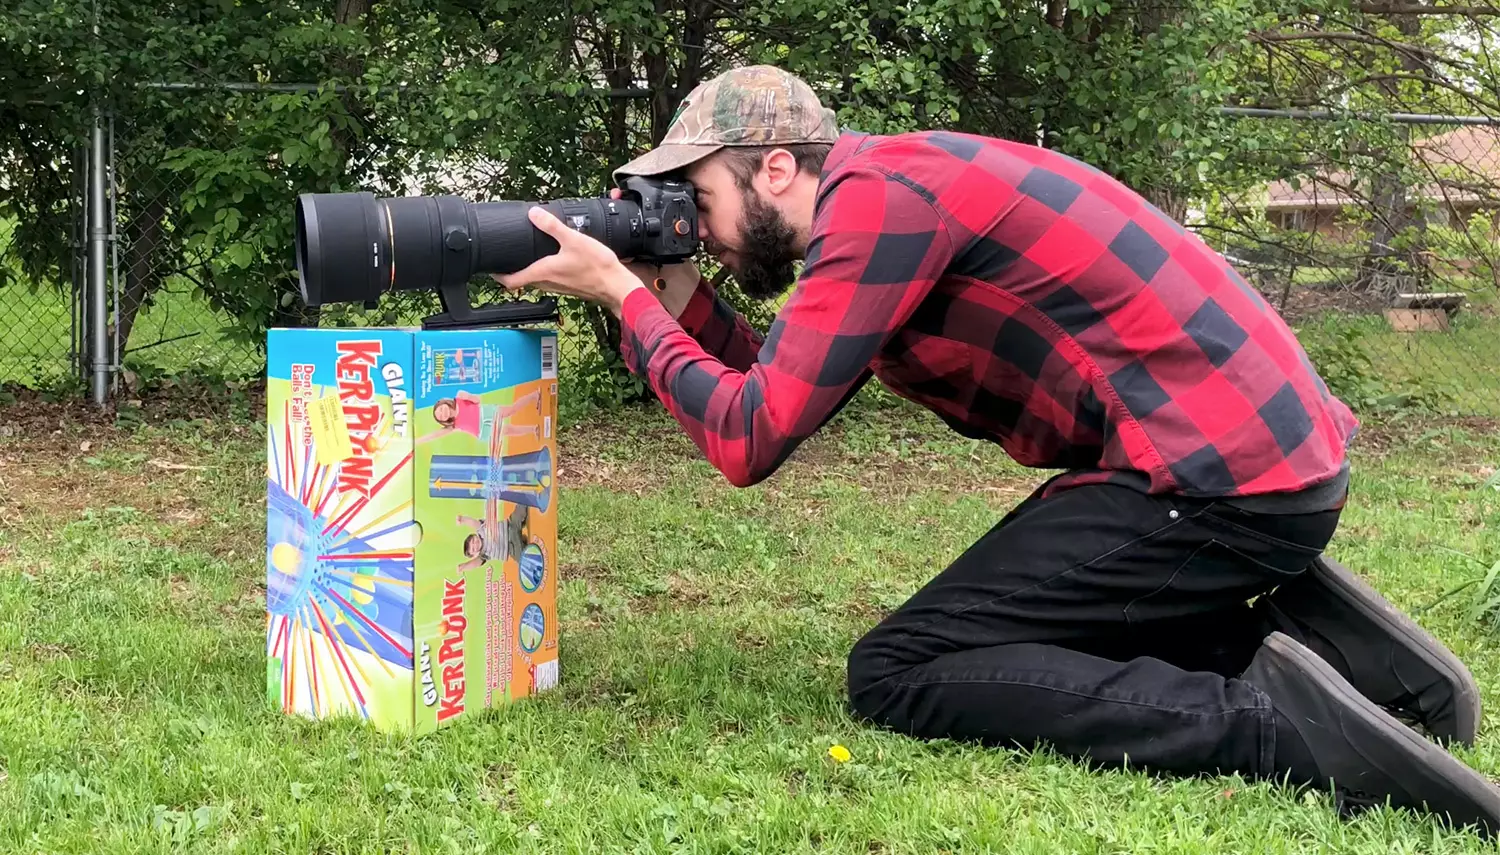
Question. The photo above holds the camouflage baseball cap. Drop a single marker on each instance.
(753, 105)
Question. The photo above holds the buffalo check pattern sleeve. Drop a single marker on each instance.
(876, 250)
(721, 330)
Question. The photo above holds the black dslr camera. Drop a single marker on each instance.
(352, 247)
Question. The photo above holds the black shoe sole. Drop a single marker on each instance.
(1402, 768)
(1419, 644)
(1421, 663)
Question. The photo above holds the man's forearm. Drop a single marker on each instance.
(618, 288)
(721, 330)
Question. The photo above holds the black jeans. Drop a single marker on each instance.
(1104, 623)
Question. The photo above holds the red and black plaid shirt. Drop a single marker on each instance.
(1024, 297)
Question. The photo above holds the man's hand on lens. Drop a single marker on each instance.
(582, 267)
(585, 268)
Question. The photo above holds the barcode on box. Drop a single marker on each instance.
(549, 357)
(546, 676)
(547, 427)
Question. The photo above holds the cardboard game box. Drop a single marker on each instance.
(411, 526)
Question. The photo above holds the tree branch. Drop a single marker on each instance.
(1342, 37)
(1402, 9)
(1472, 97)
(1057, 11)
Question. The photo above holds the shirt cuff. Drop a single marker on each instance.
(641, 320)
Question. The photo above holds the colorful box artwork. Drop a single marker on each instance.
(411, 525)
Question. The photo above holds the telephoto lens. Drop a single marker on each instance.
(353, 247)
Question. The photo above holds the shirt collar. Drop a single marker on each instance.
(848, 143)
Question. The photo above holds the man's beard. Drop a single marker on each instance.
(768, 250)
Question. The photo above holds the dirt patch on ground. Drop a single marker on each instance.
(62, 460)
(1303, 304)
(688, 592)
(60, 477)
(32, 412)
(59, 459)
(46, 652)
(583, 573)
(623, 454)
(928, 472)
(1381, 437)
(652, 455)
(180, 590)
(33, 491)
(579, 468)
(649, 453)
(250, 603)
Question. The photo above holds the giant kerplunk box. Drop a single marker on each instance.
(411, 527)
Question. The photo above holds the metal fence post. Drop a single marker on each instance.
(98, 326)
(116, 349)
(78, 242)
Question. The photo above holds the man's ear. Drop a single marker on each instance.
(779, 168)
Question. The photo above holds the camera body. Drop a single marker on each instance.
(353, 247)
(669, 214)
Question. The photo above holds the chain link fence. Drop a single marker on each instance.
(171, 313)
(1376, 239)
(182, 300)
(41, 320)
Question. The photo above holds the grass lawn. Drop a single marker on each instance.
(704, 631)
(1458, 363)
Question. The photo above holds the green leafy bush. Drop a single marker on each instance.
(1339, 353)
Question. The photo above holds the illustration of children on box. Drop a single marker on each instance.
(493, 540)
(450, 369)
(465, 413)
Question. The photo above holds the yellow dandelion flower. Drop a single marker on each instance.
(840, 753)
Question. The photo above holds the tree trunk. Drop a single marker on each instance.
(619, 58)
(619, 72)
(658, 80)
(347, 13)
(1382, 270)
(1169, 200)
(699, 17)
(1166, 196)
(667, 90)
(1057, 13)
(345, 140)
(667, 87)
(351, 68)
(145, 233)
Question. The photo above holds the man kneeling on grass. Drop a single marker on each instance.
(1029, 299)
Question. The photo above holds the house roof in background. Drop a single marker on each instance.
(1464, 166)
